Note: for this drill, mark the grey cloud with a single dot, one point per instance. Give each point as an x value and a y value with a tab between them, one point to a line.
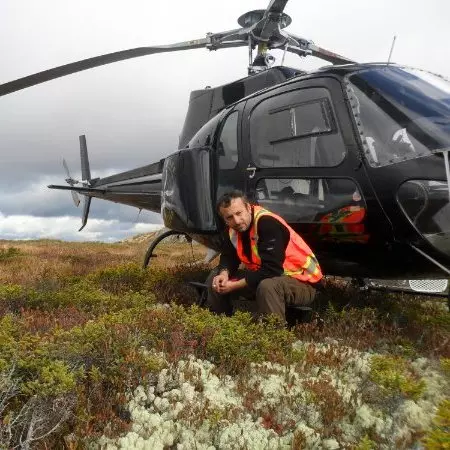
65	227
37	200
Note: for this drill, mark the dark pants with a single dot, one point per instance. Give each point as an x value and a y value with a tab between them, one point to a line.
271	296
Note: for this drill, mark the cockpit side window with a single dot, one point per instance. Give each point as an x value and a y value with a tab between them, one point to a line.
401	113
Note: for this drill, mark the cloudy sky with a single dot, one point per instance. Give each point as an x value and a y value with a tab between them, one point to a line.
132	111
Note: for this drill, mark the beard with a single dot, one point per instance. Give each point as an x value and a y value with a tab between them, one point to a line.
241	228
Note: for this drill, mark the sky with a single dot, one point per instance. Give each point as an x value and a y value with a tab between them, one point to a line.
132	112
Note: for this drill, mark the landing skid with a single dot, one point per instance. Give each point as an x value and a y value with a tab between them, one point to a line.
157	240
411	287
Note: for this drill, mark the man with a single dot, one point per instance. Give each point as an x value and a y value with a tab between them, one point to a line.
280	267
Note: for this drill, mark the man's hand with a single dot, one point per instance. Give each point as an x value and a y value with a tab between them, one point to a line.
220	280
230	286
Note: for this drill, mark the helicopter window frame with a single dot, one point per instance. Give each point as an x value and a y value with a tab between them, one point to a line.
306	148
223	159
316	131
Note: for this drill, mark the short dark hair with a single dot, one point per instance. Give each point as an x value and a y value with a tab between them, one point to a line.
225	199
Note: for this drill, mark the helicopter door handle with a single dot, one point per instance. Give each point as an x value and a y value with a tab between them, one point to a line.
251	171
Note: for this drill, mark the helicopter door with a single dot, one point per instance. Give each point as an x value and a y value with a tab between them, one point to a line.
297	162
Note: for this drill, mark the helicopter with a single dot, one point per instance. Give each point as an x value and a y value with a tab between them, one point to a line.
353	156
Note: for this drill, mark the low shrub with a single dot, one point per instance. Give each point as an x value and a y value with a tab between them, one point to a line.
235	342
12	298
120	279
10	252
72	347
171	284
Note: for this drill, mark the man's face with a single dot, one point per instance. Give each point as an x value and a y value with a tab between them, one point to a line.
238	215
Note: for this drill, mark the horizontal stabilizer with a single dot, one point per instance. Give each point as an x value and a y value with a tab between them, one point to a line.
82	190
98	192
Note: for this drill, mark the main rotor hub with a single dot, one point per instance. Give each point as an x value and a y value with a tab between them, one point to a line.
251	17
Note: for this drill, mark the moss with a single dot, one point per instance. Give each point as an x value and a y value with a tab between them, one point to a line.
392	374
366	444
215	416
445	365
439	435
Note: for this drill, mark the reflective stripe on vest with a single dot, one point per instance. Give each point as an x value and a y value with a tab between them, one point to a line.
299	261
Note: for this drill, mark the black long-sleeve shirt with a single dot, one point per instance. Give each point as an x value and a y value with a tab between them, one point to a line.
273	238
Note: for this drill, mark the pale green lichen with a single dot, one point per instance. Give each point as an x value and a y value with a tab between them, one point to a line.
192	405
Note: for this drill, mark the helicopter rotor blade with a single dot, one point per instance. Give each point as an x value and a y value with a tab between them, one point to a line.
66	169
224	37
271	19
75	198
96	61
326	55
228	39
306	47
85	169
71	182
86	208
69	179
276	6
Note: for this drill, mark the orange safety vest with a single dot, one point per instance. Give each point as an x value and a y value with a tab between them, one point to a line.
299	262
345	224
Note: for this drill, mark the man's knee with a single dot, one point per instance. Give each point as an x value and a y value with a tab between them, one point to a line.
267	293
265	286
269	299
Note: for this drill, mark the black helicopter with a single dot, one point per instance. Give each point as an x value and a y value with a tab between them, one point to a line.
353	156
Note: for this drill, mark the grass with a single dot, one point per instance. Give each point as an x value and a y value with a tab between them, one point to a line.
83	327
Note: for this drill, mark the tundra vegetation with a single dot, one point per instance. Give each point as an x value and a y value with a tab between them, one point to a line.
96	352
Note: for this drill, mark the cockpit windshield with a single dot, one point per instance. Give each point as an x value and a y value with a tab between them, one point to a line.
401	113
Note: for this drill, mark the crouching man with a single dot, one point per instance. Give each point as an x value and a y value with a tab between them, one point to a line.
280	268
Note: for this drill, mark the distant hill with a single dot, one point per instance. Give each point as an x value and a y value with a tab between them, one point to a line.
148	237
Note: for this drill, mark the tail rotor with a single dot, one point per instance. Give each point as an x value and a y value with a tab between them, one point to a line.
71	182
86	177
85	169
86	183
